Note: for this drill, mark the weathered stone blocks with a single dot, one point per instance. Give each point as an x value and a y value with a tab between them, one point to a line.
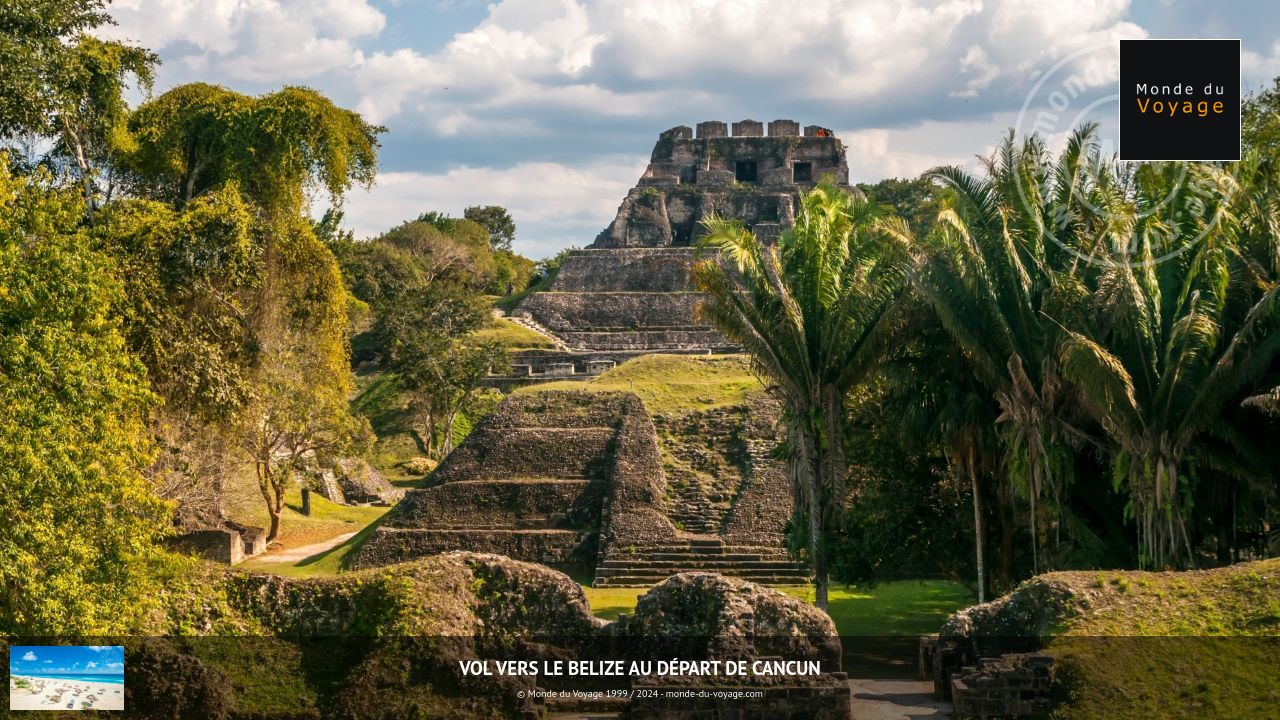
748	128
784	128
537	480
712	129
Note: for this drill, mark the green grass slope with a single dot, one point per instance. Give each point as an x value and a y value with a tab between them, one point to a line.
1129	645
512	336
674	384
902	608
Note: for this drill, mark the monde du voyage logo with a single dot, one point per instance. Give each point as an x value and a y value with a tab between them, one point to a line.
1180	100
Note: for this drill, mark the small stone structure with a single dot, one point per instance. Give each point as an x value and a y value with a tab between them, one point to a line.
706	616
988	658
1017	685
352	481
631	290
229	543
571	478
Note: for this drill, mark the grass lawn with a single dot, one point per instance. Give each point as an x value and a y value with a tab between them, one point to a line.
906	608
327	519
378	399
674	384
324	564
513	336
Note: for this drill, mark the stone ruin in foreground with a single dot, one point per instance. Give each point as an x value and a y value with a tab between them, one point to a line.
630	291
576	480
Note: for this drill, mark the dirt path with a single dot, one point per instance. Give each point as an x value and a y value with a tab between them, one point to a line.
295	555
895	700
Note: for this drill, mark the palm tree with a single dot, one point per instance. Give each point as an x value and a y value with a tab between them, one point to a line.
994	263
814	312
934	402
1171	347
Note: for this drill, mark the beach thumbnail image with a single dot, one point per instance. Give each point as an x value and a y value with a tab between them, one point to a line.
66	677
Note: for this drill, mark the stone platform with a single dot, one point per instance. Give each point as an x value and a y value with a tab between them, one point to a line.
625	300
582	480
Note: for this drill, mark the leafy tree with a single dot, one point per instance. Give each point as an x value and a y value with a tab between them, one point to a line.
191	278
496	221
296	412
905	517
1165	357
939	410
35	36
512	273
917	201
60	84
278	147
445	255
274	304
330	231
89	110
428	348
992	266
815	313
80	521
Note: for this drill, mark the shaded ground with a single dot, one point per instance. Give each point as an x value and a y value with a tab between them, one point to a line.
895	700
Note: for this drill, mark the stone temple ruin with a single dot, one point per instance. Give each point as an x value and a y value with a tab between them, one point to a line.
576	480
630	291
589	481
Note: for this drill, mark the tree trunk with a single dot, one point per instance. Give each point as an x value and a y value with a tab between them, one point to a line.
977	524
446	443
272	493
817	550
82	162
274	532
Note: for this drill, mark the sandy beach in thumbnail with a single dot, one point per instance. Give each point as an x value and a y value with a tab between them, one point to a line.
41	693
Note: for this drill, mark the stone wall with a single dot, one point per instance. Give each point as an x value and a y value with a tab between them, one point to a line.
703	339
527	504
390	545
551	452
626	270
632	513
230	543
559	311
217	544
1017	685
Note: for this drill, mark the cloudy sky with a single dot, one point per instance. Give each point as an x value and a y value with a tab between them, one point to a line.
550	107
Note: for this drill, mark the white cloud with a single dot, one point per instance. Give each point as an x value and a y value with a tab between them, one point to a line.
802	49
101	648
553	205
877	154
250	40
48	662
29	657
115	665
91	665
1257	69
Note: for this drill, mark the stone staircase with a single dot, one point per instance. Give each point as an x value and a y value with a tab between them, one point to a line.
692	512
526	321
651	564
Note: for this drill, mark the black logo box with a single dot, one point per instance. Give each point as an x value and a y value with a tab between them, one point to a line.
1186	65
